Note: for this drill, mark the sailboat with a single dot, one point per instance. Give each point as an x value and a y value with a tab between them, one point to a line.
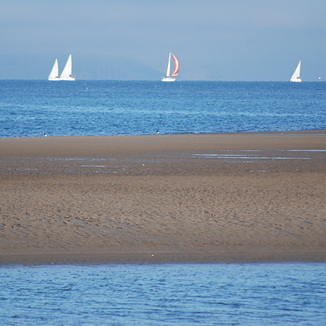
54	74
296	75
171	77
67	71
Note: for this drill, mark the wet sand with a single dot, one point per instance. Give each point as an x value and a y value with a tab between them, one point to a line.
238	197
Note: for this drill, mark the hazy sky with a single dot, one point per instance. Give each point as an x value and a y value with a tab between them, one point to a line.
130	39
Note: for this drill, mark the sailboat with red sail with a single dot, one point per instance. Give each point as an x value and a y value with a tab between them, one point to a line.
171	77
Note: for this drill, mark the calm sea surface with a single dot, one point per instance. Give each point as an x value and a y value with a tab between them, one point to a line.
32	108
168	294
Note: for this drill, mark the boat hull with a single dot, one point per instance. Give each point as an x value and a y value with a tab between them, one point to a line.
168	79
68	78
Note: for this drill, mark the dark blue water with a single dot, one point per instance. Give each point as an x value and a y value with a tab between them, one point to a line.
176	294
32	108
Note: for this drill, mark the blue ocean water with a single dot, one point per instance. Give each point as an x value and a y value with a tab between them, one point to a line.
167	294
32	108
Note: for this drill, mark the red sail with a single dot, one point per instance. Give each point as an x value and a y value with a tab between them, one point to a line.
176	66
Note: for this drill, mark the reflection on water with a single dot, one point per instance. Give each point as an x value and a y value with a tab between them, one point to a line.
242	157
112	165
167	294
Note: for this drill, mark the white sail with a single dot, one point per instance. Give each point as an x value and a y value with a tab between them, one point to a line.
67	71
168	70
168	77
296	75
54	74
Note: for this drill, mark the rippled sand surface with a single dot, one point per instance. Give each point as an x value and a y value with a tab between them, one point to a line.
160	198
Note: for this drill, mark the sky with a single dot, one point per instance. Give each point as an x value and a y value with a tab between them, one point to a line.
223	40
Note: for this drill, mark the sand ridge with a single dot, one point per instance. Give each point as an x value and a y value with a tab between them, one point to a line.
166	198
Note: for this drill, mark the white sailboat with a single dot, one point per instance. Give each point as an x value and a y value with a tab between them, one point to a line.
171	77
67	71
54	74
296	75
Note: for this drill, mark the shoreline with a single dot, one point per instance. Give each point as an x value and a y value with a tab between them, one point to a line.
275	132
189	198
228	255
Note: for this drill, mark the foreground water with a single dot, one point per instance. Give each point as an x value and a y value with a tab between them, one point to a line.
167	294
32	108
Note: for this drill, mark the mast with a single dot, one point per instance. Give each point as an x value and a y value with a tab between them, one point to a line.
169	66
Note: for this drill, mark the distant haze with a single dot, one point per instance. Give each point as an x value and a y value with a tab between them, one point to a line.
236	40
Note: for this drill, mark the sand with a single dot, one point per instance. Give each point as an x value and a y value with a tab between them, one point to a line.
238	197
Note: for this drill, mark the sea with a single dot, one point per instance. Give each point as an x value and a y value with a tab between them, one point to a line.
32	108
164	294
287	293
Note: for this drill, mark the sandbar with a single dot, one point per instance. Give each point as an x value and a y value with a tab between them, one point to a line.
189	198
